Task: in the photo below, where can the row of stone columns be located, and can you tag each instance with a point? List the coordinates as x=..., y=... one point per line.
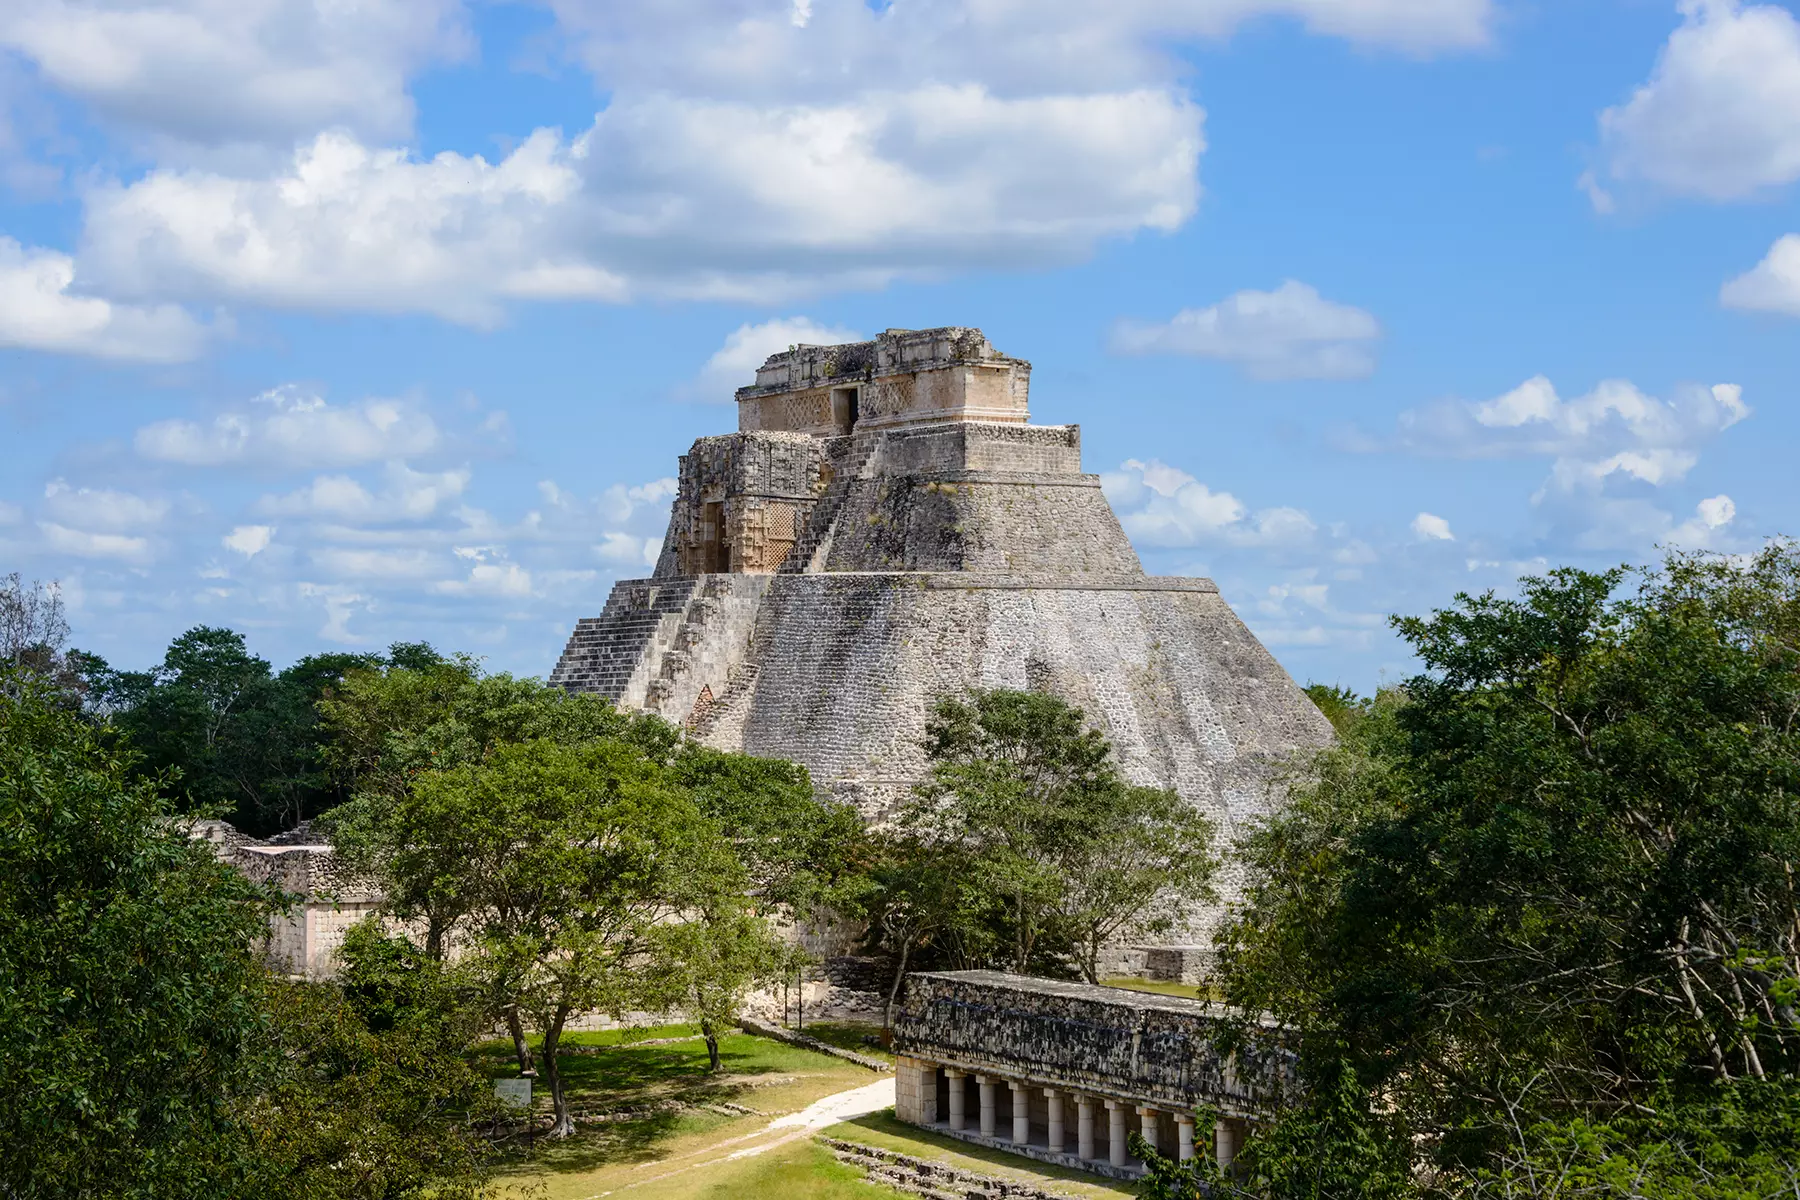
x=1226, y=1136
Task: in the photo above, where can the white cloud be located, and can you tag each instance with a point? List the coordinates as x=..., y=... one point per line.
x=759, y=48
x=1289, y=333
x=218, y=72
x=1613, y=430
x=1720, y=115
x=248, y=540
x=666, y=196
x=750, y=150
x=1773, y=285
x=1707, y=526
x=489, y=579
x=83, y=544
x=10, y=514
x=1429, y=527
x=101, y=509
x=39, y=311
x=408, y=495
x=289, y=427
x=734, y=364
x=350, y=227
x=1160, y=505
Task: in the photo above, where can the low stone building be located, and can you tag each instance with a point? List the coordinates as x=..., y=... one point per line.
x=886, y=529
x=1063, y=1072
x=323, y=901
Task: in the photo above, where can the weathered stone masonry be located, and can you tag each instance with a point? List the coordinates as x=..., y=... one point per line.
x=886, y=529
x=1063, y=1072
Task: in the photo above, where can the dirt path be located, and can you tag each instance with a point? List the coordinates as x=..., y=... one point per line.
x=839, y=1106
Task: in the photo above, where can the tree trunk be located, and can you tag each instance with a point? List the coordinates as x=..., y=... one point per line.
x=562, y=1124
x=887, y=1013
x=521, y=1047
x=711, y=1035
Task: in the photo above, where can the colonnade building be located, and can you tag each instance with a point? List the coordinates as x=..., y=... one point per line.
x=1065, y=1072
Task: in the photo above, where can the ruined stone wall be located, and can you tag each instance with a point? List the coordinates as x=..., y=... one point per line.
x=742, y=500
x=846, y=668
x=1105, y=1041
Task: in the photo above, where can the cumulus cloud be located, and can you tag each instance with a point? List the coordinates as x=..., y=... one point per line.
x=733, y=365
x=1610, y=451
x=248, y=540
x=83, y=543
x=1706, y=527
x=290, y=427
x=1773, y=285
x=1429, y=527
x=102, y=509
x=221, y=72
x=1289, y=333
x=1719, y=117
x=407, y=495
x=40, y=310
x=1613, y=430
x=1160, y=505
x=665, y=196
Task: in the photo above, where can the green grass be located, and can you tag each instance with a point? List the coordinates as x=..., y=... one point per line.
x=770, y=1077
x=860, y=1036
x=882, y=1130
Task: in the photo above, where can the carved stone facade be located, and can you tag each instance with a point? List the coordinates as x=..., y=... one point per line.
x=1062, y=1072
x=937, y=543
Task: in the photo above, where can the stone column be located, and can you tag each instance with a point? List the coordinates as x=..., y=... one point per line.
x=1184, y=1136
x=1021, y=1106
x=959, y=1096
x=1225, y=1142
x=1084, y=1126
x=986, y=1084
x=1147, y=1126
x=1115, y=1114
x=926, y=1073
x=1054, y=1099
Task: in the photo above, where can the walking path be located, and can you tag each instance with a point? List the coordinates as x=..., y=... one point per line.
x=839, y=1106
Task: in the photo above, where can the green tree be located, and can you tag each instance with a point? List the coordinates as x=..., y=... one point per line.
x=389, y=727
x=707, y=962
x=370, y=1094
x=131, y=979
x=565, y=860
x=1341, y=706
x=1031, y=801
x=1549, y=884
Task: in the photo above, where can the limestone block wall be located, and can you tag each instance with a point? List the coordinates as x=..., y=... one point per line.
x=980, y=521
x=1157, y=1050
x=847, y=667
x=981, y=446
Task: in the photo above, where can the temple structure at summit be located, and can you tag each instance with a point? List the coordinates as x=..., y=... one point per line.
x=884, y=529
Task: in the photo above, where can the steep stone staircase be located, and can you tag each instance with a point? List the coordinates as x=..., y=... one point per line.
x=604, y=652
x=854, y=466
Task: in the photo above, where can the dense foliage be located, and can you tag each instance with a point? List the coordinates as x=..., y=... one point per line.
x=1026, y=849
x=1540, y=905
x=147, y=1051
x=573, y=857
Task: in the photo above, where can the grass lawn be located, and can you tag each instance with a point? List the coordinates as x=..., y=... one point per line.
x=881, y=1129
x=676, y=1152
x=864, y=1037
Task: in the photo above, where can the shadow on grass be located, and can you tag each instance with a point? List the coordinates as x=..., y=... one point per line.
x=614, y=1144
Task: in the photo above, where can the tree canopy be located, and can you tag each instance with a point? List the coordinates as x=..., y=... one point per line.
x=1540, y=902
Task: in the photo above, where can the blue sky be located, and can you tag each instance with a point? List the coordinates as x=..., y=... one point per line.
x=342, y=324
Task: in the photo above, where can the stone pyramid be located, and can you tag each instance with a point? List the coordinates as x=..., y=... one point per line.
x=885, y=529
